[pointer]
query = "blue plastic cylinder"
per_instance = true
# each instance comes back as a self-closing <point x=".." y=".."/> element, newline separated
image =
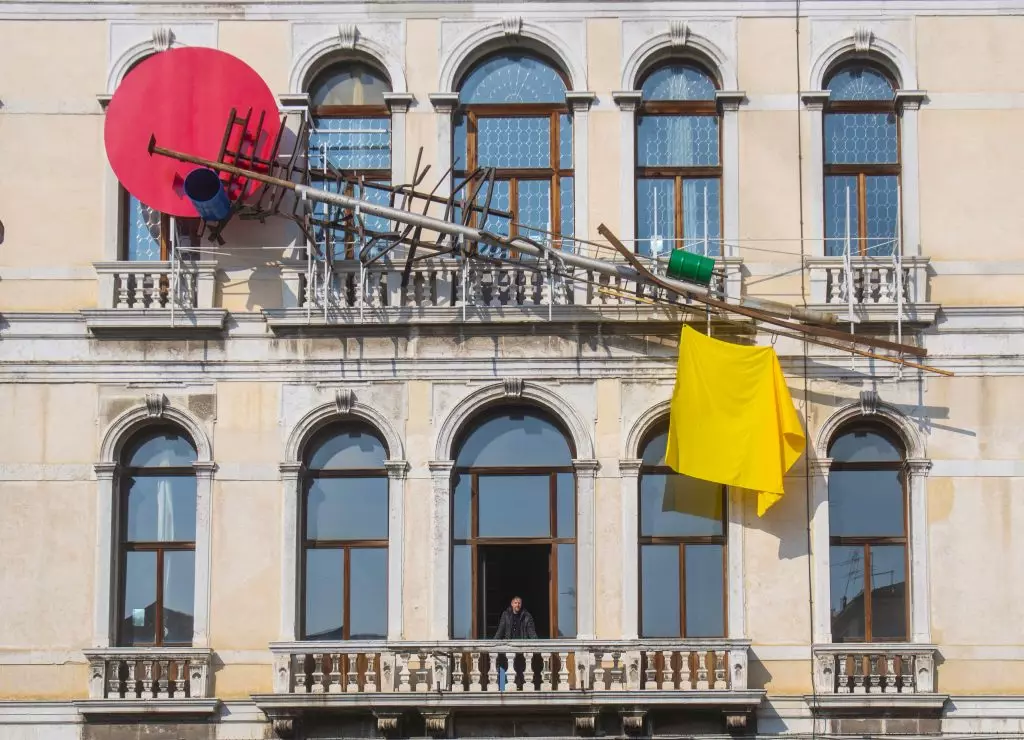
<point x="204" y="188"/>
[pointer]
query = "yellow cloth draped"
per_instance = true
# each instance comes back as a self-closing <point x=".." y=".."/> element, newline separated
<point x="732" y="419"/>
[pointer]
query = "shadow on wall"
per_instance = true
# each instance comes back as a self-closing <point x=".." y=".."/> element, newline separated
<point x="758" y="676"/>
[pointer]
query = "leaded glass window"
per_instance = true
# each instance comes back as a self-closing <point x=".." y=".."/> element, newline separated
<point x="350" y="136"/>
<point x="867" y="510"/>
<point x="679" y="167"/>
<point x="862" y="163"/>
<point x="513" y="117"/>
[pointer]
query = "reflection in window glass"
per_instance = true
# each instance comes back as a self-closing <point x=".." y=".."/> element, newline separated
<point x="161" y="509"/>
<point x="864" y="446"/>
<point x="866" y="503"/>
<point x="462" y="592"/>
<point x="347" y="447"/>
<point x="514" y="505"/>
<point x="369" y="618"/>
<point x="566" y="591"/>
<point x="461" y="506"/>
<point x="705" y="591"/>
<point x="325" y="595"/>
<point x="179" y="595"/>
<point x="847" y="593"/>
<point x="889" y="592"/>
<point x="139" y="615"/>
<point x="165" y="449"/>
<point x="566" y="503"/>
<point x="514" y="439"/>
<point x="347" y="508"/>
<point x="351" y="83"/>
<point x="673" y="505"/>
<point x="659" y="590"/>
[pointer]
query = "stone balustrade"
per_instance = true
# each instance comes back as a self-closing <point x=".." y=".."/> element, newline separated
<point x="874" y="669"/>
<point x="876" y="284"/>
<point x="133" y="286"/>
<point x="468" y="667"/>
<point x="130" y="674"/>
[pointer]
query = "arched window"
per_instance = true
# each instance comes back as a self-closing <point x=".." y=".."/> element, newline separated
<point x="513" y="524"/>
<point x="513" y="117"/>
<point x="682" y="549"/>
<point x="679" y="164"/>
<point x="345" y="535"/>
<point x="862" y="162"/>
<point x="868" y="529"/>
<point x="351" y="137"/>
<point x="157" y="539"/>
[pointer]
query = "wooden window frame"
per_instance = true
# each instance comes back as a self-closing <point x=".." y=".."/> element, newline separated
<point x="677" y="174"/>
<point x="867" y="542"/>
<point x="680" y="542"/>
<point x="863" y="171"/>
<point x="125" y="475"/>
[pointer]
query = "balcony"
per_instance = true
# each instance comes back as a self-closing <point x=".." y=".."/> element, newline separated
<point x="130" y="681"/>
<point x="876" y="286"/>
<point x="880" y="676"/>
<point x="154" y="295"/>
<point x="573" y="677"/>
<point x="446" y="291"/>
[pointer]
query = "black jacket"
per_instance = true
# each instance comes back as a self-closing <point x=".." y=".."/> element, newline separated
<point x="514" y="626"/>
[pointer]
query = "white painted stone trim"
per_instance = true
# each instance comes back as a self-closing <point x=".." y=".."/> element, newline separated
<point x="735" y="584"/>
<point x="627" y="100"/>
<point x="586" y="548"/>
<point x="348" y="41"/>
<point x="398" y="470"/>
<point x="579" y="104"/>
<point x="820" y="554"/>
<point x="290" y="551"/>
<point x="814" y="173"/>
<point x="629" y="476"/>
<point x="444" y="106"/>
<point x="441" y="548"/>
<point x="908" y="103"/>
<point x="883" y="50"/>
<point x="920" y="581"/>
<point x="398" y="104"/>
<point x="684" y="38"/>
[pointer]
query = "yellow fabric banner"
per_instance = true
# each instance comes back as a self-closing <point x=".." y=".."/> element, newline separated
<point x="732" y="419"/>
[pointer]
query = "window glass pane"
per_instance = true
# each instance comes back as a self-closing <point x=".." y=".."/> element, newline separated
<point x="888" y="593"/>
<point x="865" y="503"/>
<point x="514" y="505"/>
<point x="566" y="484"/>
<point x="350" y="447"/>
<point x="368" y="610"/>
<point x="138" y="625"/>
<point x="350" y="144"/>
<point x="462" y="592"/>
<point x="841" y="200"/>
<point x="461" y="507"/>
<point x="566" y="591"/>
<point x="860" y="138"/>
<point x="654" y="449"/>
<point x="677" y="141"/>
<point x="678" y="506"/>
<point x="864" y="445"/>
<point x="659" y="590"/>
<point x="702" y="221"/>
<point x="161" y="509"/>
<point x="349" y="84"/>
<point x="161" y="450"/>
<point x="566" y="206"/>
<point x="512" y="77"/>
<point x="705" y="591"/>
<point x="459" y="148"/>
<point x="347" y="509"/>
<point x="847" y="593"/>
<point x="143" y="231"/>
<point x="325" y="596"/>
<point x="565" y="141"/>
<point x="535" y="208"/>
<point x="860" y="83"/>
<point x="678" y="82"/>
<point x="656" y="215"/>
<point x="179" y="595"/>
<point x="375" y="194"/>
<point x="515" y="438"/>
<point x="513" y="142"/>
<point x="882" y="214"/>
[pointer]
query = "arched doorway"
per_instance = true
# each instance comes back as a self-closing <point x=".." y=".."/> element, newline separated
<point x="513" y="523"/>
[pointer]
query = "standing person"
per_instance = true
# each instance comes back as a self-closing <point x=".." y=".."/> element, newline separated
<point x="515" y="624"/>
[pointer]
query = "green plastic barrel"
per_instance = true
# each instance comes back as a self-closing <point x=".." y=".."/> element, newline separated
<point x="696" y="268"/>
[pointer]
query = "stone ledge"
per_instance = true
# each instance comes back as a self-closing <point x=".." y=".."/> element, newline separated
<point x="876" y="702"/>
<point x="919" y="314"/>
<point x="134" y="707"/>
<point x="101" y="320"/>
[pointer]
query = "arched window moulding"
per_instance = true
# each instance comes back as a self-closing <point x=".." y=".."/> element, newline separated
<point x="381" y="44"/>
<point x="629" y="475"/>
<point x="869" y="43"/>
<point x="155" y="410"/>
<point x="511" y="392"/>
<point x="563" y="43"/>
<point x="712" y="45"/>
<point x="871" y="410"/>
<point x="345" y="407"/>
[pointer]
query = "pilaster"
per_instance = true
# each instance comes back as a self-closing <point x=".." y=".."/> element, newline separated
<point x="441" y="546"/>
<point x="629" y="494"/>
<point x="586" y="553"/>
<point x="398" y="471"/>
<point x="290" y="473"/>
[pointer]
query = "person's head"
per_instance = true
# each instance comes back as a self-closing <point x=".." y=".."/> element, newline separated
<point x="517" y="604"/>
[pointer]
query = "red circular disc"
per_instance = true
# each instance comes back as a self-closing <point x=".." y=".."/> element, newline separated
<point x="184" y="98"/>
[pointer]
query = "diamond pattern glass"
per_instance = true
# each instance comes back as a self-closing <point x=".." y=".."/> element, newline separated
<point x="351" y="143"/>
<point x="859" y="83"/>
<point x="656" y="216"/>
<point x="836" y="189"/>
<point x="882" y="198"/>
<point x="861" y="138"/>
<point x="143" y="231"/>
<point x="677" y="141"/>
<point x="512" y="77"/>
<point x="565" y="141"/>
<point x="678" y="82"/>
<point x="512" y="143"/>
<point x="535" y="207"/>
<point x="566" y="201"/>
<point x="702" y="231"/>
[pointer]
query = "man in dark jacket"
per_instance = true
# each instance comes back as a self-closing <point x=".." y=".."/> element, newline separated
<point x="516" y="623"/>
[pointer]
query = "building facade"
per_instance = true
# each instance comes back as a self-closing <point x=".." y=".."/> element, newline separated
<point x="243" y="499"/>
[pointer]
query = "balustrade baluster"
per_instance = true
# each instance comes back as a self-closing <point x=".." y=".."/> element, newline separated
<point x="180" y="684"/>
<point x="702" y="669"/>
<point x="457" y="672"/>
<point x="890" y="674"/>
<point x="123" y="289"/>
<point x="300" y="674"/>
<point x="131" y="685"/>
<point x="162" y="692"/>
<point x="545" y="672"/>
<point x="667" y="673"/>
<point x="511" y="674"/>
<point x="599" y="684"/>
<point x="403" y="671"/>
<point x="720" y="673"/>
<point x="858" y="675"/>
<point x="650" y="673"/>
<point x="492" y="671"/>
<point x="843" y="686"/>
<point x="113" y="668"/>
<point x="834" y="279"/>
<point x="474" y="672"/>
<point x="370" y="677"/>
<point x="907" y="674"/>
<point x="318" y="673"/>
<point x="616" y="673"/>
<point x="563" y="672"/>
<point x="686" y="657"/>
<point x="352" y="664"/>
<point x="876" y="678"/>
<point x="528" y="672"/>
<point x="334" y="685"/>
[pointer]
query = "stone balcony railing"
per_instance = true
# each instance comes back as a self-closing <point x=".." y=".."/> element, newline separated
<point x="876" y="283"/>
<point x="131" y="680"/>
<point x="140" y="295"/>
<point x="891" y="675"/>
<point x="447" y="290"/>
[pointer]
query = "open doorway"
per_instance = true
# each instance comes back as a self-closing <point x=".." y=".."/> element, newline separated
<point x="514" y="570"/>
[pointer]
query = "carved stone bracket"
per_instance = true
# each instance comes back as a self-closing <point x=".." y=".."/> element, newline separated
<point x="389" y="724"/>
<point x="163" y="38"/>
<point x="735" y="722"/>
<point x="343" y="400"/>
<point x="155" y="405"/>
<point x="633" y="721"/>
<point x="436" y="723"/>
<point x="513" y="387"/>
<point x="284" y="727"/>
<point x="347" y="35"/>
<point x="585" y="723"/>
<point x="678" y="33"/>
